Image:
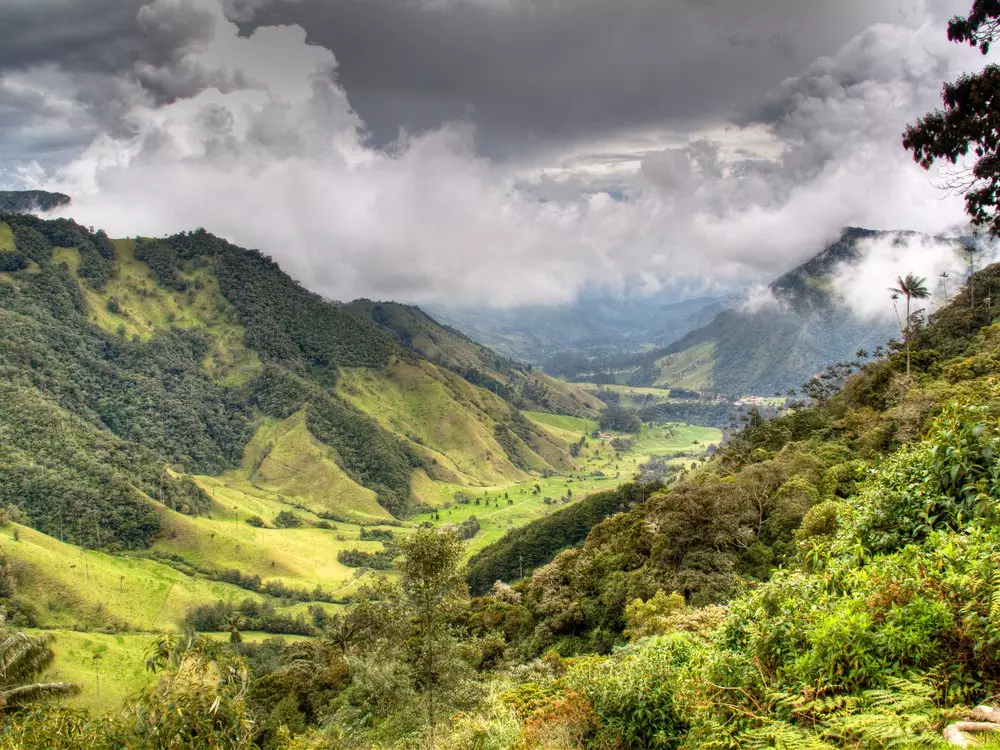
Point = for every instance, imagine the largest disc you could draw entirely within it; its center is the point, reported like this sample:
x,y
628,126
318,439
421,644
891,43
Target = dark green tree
x,y
966,132
433,590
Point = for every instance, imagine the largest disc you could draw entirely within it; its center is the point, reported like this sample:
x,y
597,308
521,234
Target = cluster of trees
x,y
381,560
519,552
620,419
250,614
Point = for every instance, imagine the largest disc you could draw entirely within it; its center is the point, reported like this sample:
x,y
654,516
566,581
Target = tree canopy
x,y
965,133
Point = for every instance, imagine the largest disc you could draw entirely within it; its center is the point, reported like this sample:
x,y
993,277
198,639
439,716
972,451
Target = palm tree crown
x,y
23,658
912,287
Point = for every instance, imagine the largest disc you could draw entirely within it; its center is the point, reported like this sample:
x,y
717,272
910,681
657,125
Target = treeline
x,y
283,321
249,614
521,551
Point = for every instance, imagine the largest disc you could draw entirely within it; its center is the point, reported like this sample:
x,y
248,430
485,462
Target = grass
x,y
505,507
70,586
112,667
562,422
6,237
300,558
285,459
108,668
691,368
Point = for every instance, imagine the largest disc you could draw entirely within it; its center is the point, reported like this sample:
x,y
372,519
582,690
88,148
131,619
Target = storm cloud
x,y
488,152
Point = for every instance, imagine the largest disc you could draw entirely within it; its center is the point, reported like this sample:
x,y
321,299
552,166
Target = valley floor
x,y
105,610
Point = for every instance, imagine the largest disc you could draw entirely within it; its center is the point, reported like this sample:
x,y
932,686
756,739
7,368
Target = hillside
x,y
449,348
190,414
775,346
28,201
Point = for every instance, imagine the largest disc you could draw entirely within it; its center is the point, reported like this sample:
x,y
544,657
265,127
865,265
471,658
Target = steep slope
x,y
200,421
777,345
449,348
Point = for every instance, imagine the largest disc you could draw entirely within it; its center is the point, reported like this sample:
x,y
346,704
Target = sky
x,y
487,152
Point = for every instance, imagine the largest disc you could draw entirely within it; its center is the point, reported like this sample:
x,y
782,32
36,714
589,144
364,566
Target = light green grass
x,y
70,586
693,368
6,237
284,458
562,422
300,558
108,668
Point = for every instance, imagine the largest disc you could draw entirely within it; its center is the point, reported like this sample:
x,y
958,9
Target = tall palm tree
x,y
23,658
912,287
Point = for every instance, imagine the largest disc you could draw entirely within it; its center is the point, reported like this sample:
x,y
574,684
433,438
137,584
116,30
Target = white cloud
x,y
864,286
260,145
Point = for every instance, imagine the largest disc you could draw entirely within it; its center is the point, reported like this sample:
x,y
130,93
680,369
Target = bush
x,y
288,520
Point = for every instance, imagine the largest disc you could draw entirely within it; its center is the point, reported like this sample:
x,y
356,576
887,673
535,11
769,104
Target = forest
x,y
829,578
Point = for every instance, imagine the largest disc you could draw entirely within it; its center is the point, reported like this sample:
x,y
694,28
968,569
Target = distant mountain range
x,y
596,325
704,344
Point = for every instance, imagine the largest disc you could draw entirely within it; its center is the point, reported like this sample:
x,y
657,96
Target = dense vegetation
x,y
829,578
523,550
93,417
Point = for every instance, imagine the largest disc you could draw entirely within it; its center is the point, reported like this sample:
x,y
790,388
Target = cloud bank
x,y
207,130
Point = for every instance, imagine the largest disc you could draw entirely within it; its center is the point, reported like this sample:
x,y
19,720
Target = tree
x,y
23,658
912,287
620,419
433,589
970,121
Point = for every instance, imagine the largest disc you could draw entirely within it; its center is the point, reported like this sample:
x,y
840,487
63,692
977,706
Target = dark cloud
x,y
531,73
615,118
91,36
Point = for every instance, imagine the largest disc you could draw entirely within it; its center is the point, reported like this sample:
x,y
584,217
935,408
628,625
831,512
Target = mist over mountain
x,y
768,339
597,324
31,201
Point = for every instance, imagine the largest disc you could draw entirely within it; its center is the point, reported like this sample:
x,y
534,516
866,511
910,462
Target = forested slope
x,y
181,346
761,349
178,414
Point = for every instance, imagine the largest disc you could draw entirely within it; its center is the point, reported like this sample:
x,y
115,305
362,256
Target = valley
x,y
254,461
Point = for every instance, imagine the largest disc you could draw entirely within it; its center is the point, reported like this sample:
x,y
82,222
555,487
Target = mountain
x,y
769,345
194,426
594,325
450,348
30,201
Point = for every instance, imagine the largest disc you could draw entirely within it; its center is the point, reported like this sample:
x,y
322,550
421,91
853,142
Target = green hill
x,y
449,348
212,431
747,350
